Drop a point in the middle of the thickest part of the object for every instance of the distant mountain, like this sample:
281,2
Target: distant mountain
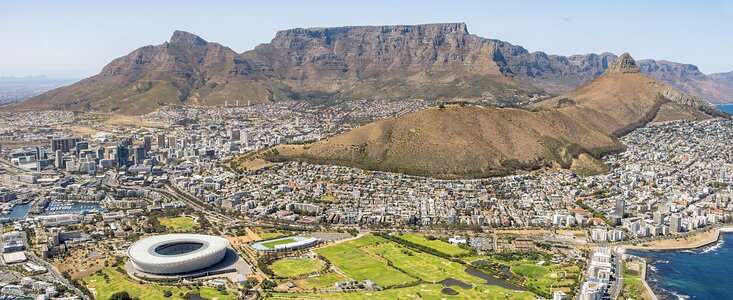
725,79
432,61
569,131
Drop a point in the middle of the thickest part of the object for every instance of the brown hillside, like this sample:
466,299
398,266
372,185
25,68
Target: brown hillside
570,131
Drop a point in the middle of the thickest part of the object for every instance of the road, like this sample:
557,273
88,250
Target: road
618,283
51,269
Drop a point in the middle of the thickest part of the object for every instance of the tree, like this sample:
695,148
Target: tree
120,296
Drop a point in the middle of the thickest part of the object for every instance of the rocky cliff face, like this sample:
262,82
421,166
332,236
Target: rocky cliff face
432,61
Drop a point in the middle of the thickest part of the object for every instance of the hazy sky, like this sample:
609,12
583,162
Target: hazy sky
77,38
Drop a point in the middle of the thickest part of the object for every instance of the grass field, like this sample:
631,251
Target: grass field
542,278
269,235
437,245
320,281
423,265
292,267
633,288
118,282
272,244
422,291
358,265
180,224
530,270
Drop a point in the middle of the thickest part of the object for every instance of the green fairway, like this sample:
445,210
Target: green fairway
118,282
422,291
423,265
272,244
179,224
437,245
359,265
321,281
292,267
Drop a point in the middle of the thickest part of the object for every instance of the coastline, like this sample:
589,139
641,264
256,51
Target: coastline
696,241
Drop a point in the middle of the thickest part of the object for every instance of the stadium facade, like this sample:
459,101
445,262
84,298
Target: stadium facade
172,254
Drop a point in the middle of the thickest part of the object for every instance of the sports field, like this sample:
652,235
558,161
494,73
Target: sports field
292,267
422,291
437,245
103,289
179,224
272,244
360,265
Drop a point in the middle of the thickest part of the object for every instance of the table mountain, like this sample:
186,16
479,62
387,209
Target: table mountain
432,61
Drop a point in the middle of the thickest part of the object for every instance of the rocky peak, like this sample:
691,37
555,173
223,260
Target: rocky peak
184,38
624,64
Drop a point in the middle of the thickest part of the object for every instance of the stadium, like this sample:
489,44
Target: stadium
285,244
172,254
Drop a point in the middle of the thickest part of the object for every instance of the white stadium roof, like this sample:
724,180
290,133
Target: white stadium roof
177,253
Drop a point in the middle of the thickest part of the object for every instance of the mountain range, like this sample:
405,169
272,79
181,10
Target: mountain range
431,61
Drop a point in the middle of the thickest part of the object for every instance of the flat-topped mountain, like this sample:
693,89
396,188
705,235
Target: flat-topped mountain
569,131
432,61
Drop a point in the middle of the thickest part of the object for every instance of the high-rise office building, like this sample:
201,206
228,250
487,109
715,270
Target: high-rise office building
139,155
619,208
675,223
245,139
58,159
64,144
172,142
161,141
81,146
122,154
234,134
658,217
148,143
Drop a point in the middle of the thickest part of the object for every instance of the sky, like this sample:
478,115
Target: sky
75,39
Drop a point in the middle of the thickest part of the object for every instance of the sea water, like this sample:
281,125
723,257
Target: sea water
703,273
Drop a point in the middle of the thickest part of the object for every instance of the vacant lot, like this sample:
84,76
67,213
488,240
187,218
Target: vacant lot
179,224
437,245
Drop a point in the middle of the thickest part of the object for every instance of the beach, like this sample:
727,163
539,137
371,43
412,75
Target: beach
696,240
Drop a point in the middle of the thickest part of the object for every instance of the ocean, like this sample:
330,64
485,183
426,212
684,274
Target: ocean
726,108
692,274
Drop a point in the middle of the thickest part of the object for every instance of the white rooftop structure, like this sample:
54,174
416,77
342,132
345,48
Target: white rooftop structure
177,253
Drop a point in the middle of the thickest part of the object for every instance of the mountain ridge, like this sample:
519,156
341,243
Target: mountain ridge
431,61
